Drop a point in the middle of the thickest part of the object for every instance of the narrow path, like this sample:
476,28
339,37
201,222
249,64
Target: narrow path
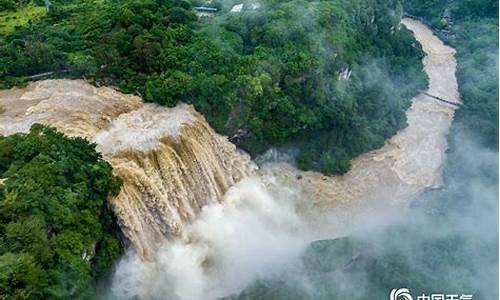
410,162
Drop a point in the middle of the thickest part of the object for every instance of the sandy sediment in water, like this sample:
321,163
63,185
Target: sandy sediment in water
171,162
408,163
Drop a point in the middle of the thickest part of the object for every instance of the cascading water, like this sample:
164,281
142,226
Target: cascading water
171,162
177,170
232,245
253,232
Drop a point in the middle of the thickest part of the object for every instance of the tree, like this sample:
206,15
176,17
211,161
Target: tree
56,231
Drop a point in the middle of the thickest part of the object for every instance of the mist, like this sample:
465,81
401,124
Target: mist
446,243
254,233
267,240
258,239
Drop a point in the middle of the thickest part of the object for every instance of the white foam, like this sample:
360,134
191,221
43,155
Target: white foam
143,128
251,234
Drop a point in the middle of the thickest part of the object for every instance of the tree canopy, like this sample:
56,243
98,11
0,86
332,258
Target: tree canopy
326,79
57,235
474,34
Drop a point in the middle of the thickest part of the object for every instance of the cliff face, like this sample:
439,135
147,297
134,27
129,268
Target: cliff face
171,162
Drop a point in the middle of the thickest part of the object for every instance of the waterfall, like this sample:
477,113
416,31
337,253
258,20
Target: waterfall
183,194
171,162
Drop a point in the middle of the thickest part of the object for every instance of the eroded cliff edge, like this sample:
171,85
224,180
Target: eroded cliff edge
170,160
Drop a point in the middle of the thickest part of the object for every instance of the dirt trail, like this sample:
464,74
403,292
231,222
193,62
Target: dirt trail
410,162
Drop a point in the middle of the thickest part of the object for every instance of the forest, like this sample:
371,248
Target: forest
57,235
327,80
474,34
449,242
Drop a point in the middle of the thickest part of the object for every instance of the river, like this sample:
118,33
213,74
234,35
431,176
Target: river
263,222
408,164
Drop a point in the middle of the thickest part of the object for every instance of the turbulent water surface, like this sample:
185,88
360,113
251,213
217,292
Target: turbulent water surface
266,222
411,161
171,162
202,222
384,181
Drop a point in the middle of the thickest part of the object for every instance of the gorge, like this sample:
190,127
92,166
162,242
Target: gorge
171,161
197,211
267,222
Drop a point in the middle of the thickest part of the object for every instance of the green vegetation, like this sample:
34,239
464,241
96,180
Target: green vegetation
474,34
57,235
21,17
276,76
7,5
427,256
449,242
270,77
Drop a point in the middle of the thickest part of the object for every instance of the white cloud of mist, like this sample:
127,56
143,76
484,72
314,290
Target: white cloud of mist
447,242
257,232
253,234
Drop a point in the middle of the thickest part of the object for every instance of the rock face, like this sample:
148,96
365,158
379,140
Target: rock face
171,162
411,161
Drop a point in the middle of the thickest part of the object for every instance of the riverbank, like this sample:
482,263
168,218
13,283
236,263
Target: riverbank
409,163
264,224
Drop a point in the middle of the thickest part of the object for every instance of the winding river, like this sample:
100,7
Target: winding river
410,162
266,221
199,248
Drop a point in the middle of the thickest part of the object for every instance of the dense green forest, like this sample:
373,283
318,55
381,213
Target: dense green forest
279,75
331,79
57,235
449,241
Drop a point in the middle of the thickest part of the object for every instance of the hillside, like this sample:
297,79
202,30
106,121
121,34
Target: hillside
325,79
